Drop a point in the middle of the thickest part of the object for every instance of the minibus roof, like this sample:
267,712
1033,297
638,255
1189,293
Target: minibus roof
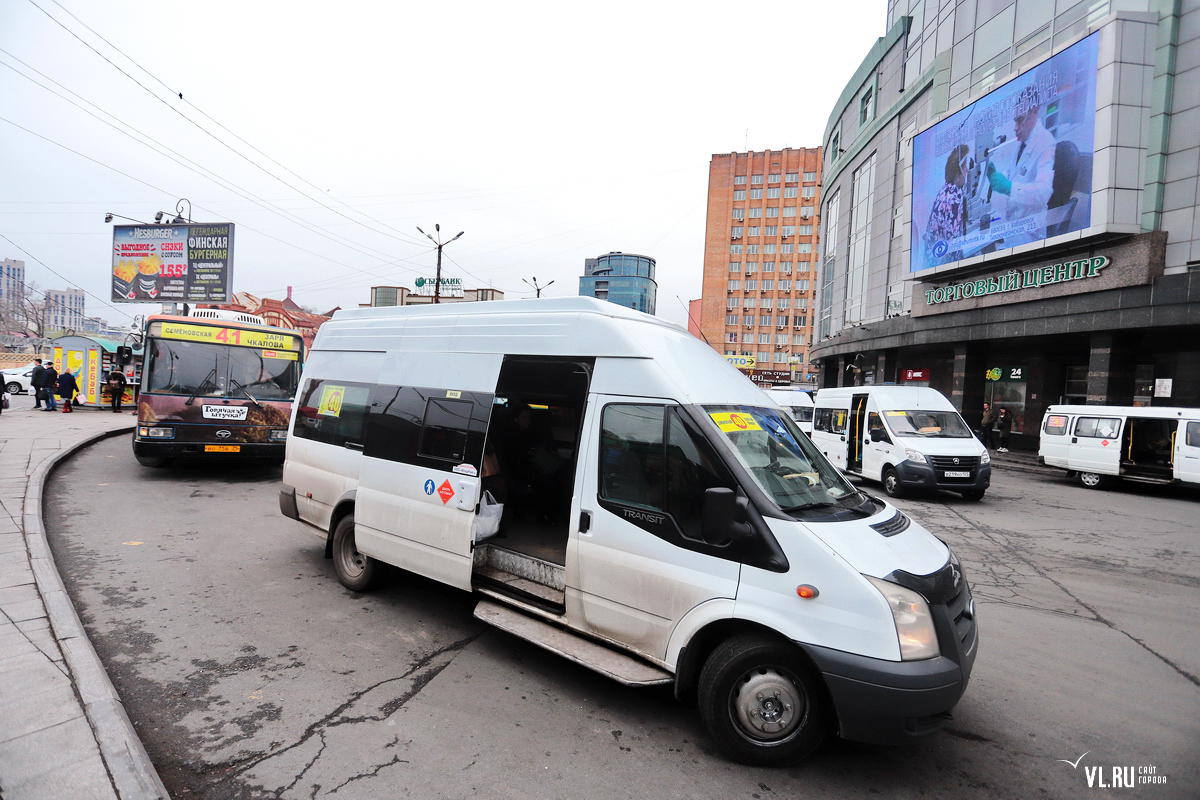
901,398
569,327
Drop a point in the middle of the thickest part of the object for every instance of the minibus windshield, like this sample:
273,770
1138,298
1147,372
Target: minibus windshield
782,460
928,424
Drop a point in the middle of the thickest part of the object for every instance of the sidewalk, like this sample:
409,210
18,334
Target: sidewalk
63,730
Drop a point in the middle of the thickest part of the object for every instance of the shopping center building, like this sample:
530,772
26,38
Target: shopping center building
1009,207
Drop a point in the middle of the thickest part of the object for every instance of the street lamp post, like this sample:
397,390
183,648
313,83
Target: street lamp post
536,288
437,283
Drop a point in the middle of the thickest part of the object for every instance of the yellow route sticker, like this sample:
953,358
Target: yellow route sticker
331,401
734,421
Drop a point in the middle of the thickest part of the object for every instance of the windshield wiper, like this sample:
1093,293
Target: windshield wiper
245,391
808,506
212,372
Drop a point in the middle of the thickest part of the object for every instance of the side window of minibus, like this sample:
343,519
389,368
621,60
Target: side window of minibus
1193,434
631,457
821,419
1097,427
692,469
1056,425
874,423
332,412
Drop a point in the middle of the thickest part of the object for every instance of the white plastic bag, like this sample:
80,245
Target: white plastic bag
487,521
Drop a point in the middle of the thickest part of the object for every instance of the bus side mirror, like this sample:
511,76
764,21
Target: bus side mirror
725,516
124,354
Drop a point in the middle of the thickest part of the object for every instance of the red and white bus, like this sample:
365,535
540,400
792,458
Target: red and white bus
215,382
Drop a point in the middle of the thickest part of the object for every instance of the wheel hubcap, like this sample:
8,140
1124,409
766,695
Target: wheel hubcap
769,705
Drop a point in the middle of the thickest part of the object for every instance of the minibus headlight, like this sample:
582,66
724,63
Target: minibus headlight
915,456
277,435
986,458
914,623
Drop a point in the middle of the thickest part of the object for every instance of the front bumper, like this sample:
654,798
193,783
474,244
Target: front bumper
172,449
927,476
890,702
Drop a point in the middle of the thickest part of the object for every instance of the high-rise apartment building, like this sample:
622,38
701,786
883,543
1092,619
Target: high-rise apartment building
760,248
12,280
626,279
64,309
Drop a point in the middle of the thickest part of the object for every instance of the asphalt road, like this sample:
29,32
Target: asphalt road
251,673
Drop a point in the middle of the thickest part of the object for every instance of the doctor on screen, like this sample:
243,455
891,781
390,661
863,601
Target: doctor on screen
1030,180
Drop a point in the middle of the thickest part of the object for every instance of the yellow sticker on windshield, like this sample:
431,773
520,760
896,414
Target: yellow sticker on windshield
895,413
734,421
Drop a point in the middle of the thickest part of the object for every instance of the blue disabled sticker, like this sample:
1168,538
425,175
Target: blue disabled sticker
429,487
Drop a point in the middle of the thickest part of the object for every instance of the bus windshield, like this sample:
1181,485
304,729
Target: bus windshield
782,460
204,369
928,424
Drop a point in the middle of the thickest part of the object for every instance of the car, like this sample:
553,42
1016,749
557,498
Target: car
16,380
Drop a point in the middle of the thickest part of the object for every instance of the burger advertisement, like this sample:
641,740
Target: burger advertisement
172,263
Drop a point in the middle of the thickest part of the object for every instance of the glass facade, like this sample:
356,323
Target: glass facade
626,279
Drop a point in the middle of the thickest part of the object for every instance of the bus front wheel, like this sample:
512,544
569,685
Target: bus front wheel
357,572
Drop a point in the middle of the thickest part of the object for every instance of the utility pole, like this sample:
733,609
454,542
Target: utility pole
437,283
537,288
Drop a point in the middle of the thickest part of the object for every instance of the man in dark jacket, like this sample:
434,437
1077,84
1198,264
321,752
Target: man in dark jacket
116,388
49,385
35,382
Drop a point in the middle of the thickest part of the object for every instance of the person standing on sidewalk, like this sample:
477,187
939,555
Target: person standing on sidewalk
116,388
1005,423
48,387
35,382
67,387
986,423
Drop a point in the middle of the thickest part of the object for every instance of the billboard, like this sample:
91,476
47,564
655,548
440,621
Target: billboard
172,263
1011,168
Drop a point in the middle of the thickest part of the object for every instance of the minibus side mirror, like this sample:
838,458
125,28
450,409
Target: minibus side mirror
725,516
877,435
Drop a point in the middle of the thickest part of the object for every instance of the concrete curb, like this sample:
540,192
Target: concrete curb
129,767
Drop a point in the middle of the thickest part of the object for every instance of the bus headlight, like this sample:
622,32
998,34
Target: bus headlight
149,432
915,456
277,435
914,623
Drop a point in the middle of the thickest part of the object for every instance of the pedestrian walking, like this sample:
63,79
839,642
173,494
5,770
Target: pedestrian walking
986,423
1004,420
116,388
67,387
35,382
48,386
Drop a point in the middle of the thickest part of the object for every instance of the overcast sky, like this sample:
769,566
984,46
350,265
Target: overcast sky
548,132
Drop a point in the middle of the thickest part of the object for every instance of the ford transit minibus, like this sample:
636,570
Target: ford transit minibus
661,521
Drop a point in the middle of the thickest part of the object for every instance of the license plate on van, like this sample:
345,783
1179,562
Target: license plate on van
222,448
958,474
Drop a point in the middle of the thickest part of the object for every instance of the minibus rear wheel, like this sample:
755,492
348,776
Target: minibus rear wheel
762,702
357,572
1093,480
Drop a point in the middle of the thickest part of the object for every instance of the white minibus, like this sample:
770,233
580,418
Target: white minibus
1098,444
905,437
798,403
661,523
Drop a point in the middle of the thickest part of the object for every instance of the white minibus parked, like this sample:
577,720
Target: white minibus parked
796,402
660,522
905,437
1097,444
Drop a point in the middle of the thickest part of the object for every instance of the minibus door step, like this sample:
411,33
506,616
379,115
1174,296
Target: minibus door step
593,655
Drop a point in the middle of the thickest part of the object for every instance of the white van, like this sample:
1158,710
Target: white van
905,437
662,524
1099,443
796,402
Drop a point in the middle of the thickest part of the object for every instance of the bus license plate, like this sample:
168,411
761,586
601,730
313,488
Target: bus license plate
958,474
222,448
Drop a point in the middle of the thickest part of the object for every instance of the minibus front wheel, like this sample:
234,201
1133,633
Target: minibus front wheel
762,702
891,483
357,572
